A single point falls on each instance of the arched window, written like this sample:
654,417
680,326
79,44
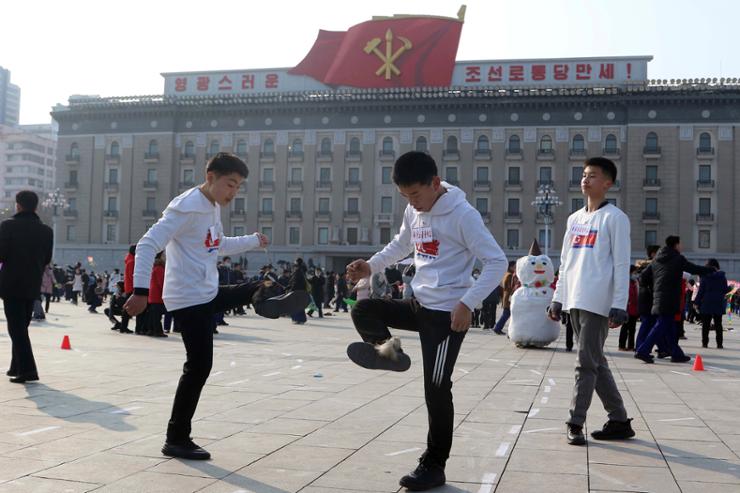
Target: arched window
387,145
705,142
483,144
651,141
189,149
241,148
268,147
451,144
74,150
214,148
421,144
514,144
354,145
579,145
546,144
153,147
325,146
115,149
610,144
296,147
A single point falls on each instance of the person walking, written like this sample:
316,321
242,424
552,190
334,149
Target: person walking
627,332
317,292
509,285
47,286
711,302
26,246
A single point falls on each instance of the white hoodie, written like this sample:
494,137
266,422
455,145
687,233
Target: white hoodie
446,241
191,230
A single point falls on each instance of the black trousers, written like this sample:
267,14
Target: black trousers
568,332
18,313
196,325
440,346
488,315
627,334
706,322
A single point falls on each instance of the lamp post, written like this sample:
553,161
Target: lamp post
55,200
545,201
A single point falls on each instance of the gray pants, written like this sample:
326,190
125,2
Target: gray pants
592,370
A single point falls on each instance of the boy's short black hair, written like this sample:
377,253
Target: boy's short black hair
633,268
132,249
225,163
713,262
27,200
672,241
652,250
414,167
606,165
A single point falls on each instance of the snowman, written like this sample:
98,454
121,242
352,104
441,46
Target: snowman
529,325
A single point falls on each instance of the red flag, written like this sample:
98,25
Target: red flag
391,52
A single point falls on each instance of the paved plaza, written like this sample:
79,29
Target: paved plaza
284,410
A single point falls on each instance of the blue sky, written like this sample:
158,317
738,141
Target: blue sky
58,48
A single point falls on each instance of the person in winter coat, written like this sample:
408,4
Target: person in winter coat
331,280
76,286
298,282
47,286
341,293
711,303
128,288
665,274
317,292
627,332
378,286
156,304
645,297
509,285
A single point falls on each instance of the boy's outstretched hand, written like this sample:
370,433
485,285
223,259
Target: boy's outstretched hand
359,269
617,317
135,304
461,317
264,240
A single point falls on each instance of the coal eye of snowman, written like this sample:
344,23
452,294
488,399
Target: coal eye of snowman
533,263
544,263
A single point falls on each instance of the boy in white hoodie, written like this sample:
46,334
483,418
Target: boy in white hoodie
593,287
190,228
446,235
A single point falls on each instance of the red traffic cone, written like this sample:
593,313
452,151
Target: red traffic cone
65,343
698,363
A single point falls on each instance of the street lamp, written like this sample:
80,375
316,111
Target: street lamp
55,200
545,201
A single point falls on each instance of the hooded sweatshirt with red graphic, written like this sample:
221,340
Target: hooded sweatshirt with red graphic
446,242
192,236
128,274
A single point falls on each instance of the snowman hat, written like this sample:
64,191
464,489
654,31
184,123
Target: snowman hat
534,249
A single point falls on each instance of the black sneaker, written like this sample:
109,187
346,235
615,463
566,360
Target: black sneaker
614,430
386,356
126,331
185,450
427,475
645,357
575,435
681,359
662,355
285,304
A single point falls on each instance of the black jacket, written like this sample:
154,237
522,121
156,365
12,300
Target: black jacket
26,246
297,280
644,290
317,288
711,295
665,274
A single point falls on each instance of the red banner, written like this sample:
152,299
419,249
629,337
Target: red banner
392,52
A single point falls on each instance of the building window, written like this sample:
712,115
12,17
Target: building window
239,204
188,176
72,203
576,204
451,175
115,149
296,175
354,146
325,148
545,241
295,204
324,204
705,238
705,206
268,175
512,206
113,175
153,148
294,235
545,173
112,203
481,173
71,232
189,149
451,144
324,175
385,236
352,236
387,145
74,150
296,147
386,205
267,204
705,142
241,148
651,173
268,147
610,144
386,173
651,142
512,238
267,231
514,144
238,230
579,145
353,175
151,203
651,237
421,144
514,177
73,176
481,205
353,205
323,236
151,175
651,206
214,148
705,173
576,175
546,144
483,144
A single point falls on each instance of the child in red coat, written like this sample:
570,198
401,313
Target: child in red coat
156,306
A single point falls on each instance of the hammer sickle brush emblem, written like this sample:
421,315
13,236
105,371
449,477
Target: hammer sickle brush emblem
389,57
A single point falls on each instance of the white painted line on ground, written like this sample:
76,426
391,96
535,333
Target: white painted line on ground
681,373
39,430
540,429
296,367
464,370
125,410
675,419
494,360
512,364
287,354
518,381
217,373
536,372
551,381
547,389
238,382
267,350
515,429
716,368
533,412
632,381
726,380
502,449
271,374
487,482
299,361
405,451
544,400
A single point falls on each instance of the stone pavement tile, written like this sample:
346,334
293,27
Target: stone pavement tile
287,426
61,450
634,452
150,482
256,479
705,470
465,469
150,446
625,478
699,487
325,489
544,461
34,484
13,468
303,458
100,468
696,449
520,482
225,459
213,430
331,436
671,431
480,415
536,425
373,476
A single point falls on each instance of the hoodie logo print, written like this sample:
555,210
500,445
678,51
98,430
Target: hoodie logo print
210,243
585,241
426,245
